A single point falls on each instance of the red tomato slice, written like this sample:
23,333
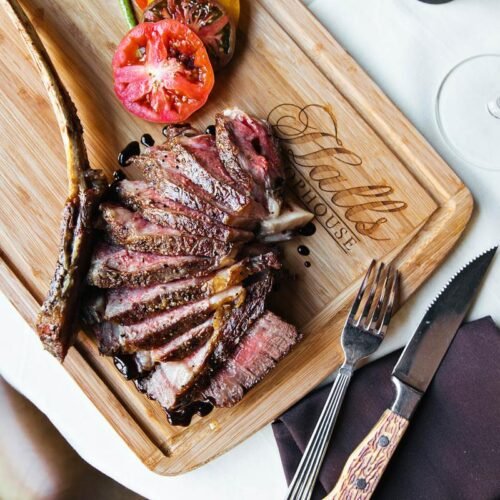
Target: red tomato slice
162,72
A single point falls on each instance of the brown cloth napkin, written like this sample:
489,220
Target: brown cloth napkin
451,449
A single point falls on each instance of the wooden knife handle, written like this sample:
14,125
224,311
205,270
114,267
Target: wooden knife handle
368,461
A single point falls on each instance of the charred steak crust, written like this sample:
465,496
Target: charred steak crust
225,195
114,266
56,322
139,196
157,329
178,190
133,304
129,229
121,339
127,305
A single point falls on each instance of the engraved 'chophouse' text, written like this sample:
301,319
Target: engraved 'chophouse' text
346,210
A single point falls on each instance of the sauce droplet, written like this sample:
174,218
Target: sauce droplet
119,175
147,140
131,149
126,366
307,263
182,416
303,250
308,230
210,130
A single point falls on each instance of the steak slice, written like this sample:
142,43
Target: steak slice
203,149
234,328
155,330
176,187
198,160
156,208
170,381
126,304
114,266
176,349
129,229
249,149
266,342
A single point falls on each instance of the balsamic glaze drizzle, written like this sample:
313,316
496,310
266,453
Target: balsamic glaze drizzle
308,230
147,140
303,250
118,175
182,416
131,149
126,366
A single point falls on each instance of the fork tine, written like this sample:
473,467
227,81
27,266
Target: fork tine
387,313
382,300
362,288
363,319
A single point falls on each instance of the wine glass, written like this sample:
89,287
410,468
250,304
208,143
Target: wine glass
468,110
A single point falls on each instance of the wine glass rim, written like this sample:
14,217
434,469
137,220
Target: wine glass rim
440,124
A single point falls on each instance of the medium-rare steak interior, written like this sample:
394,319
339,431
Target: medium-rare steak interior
178,283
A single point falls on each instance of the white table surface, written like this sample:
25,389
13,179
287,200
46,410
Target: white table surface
407,47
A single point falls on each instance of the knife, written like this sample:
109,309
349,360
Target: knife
411,377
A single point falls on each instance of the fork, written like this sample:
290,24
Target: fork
361,336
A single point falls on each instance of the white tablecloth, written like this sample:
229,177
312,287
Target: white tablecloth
407,47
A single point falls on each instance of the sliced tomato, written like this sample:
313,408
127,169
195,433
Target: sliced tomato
208,19
162,72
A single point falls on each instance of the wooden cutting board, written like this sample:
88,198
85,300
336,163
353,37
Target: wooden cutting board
377,188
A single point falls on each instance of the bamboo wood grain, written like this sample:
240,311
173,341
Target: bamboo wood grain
81,36
367,463
64,109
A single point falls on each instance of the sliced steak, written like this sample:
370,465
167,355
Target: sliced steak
154,165
248,147
203,149
266,342
128,305
171,379
176,349
129,229
114,266
132,304
198,160
228,153
154,207
155,330
234,328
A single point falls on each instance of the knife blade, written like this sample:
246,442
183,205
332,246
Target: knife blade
411,377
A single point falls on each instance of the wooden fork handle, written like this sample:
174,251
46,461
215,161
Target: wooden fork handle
367,463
